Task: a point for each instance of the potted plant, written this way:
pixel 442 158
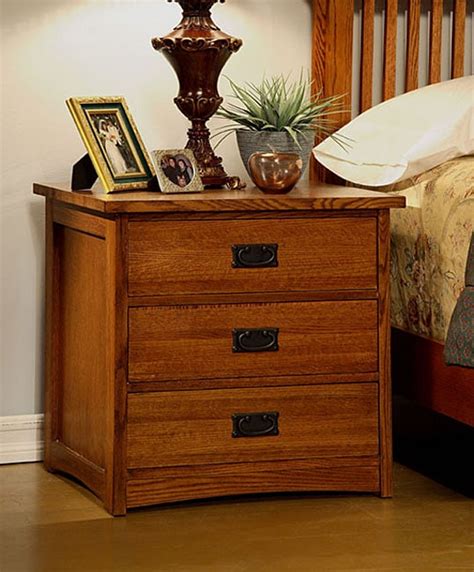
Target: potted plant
pixel 279 115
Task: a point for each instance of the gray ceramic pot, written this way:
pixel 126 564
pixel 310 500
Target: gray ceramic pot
pixel 265 141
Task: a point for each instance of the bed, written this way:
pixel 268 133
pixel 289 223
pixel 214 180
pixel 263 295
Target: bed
pixel 430 239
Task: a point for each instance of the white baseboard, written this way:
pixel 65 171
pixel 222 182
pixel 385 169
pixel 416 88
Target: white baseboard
pixel 21 439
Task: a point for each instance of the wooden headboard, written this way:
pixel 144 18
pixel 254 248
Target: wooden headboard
pixel 333 47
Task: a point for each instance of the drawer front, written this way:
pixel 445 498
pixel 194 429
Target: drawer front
pixel 198 427
pixel 188 257
pixel 248 340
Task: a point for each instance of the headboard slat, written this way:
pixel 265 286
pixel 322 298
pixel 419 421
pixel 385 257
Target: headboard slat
pixel 436 27
pixel 459 32
pixel 333 24
pixel 390 50
pixel 367 56
pixel 319 45
pixel 413 45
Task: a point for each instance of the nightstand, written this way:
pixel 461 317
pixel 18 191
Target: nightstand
pixel 219 343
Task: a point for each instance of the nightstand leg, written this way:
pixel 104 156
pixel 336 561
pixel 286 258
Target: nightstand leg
pixel 385 389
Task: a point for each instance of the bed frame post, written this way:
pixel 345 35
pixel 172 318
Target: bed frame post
pixel 332 61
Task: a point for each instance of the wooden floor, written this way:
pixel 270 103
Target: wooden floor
pixel 49 523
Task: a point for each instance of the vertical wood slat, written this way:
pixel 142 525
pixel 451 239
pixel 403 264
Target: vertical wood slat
pixel 332 50
pixel 436 26
pixel 319 48
pixel 318 45
pixel 413 45
pixel 390 50
pixel 459 32
pixel 332 60
pixel 117 364
pixel 386 484
pixel 367 58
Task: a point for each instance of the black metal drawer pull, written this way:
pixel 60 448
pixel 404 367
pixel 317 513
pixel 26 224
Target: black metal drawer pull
pixel 255 340
pixel 255 255
pixel 255 424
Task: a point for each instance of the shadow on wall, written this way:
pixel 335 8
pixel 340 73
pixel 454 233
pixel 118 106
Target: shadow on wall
pixel 36 212
pixel 24 11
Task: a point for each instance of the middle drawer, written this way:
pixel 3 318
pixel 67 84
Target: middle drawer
pixel 251 340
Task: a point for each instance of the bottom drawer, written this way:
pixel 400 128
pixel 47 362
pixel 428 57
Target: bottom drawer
pixel 200 427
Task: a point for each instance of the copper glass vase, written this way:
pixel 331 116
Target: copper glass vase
pixel 198 50
pixel 275 173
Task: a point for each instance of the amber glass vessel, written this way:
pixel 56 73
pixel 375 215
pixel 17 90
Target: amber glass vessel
pixel 198 50
pixel 275 172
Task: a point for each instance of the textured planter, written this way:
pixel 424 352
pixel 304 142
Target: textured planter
pixel 265 141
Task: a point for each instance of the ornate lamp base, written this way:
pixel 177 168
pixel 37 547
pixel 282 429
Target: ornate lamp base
pixel 210 165
pixel 198 50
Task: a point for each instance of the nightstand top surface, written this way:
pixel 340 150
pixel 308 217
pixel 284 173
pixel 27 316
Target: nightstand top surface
pixel 306 197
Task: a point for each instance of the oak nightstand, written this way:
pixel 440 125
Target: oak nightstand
pixel 219 343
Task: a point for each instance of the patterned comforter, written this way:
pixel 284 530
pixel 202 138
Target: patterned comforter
pixel 430 242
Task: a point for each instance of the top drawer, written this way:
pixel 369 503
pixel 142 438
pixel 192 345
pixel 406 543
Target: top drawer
pixel 186 257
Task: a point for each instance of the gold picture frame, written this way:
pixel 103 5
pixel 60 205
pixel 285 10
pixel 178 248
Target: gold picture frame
pixel 113 142
pixel 177 171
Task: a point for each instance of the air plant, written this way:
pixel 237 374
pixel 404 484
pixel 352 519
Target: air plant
pixel 279 104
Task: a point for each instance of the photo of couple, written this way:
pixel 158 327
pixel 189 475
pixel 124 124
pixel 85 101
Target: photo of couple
pixel 178 169
pixel 115 145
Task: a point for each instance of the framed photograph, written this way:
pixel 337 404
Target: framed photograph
pixel 177 171
pixel 113 142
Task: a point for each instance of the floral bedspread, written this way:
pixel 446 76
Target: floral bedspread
pixel 430 241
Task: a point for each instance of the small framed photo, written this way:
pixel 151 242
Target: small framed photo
pixel 113 142
pixel 177 171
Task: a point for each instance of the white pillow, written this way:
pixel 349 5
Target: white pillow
pixel 406 135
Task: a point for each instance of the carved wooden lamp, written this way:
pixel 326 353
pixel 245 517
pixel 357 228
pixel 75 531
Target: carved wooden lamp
pixel 198 50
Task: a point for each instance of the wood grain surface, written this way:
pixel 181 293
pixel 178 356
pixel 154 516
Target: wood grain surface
pixel 436 31
pixel 192 342
pixel 332 47
pixel 367 56
pixel 305 197
pixel 116 351
pixel 390 50
pixel 385 393
pixel 458 38
pixel 413 45
pixel 78 220
pixel 196 257
pixel 188 428
pixel 68 461
pixel 81 347
pixel 332 64
pixel 359 474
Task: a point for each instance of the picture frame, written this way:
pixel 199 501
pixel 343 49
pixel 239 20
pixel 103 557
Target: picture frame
pixel 177 171
pixel 113 142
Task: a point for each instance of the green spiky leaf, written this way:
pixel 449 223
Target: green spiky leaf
pixel 280 104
